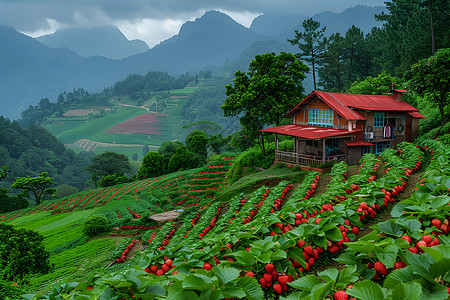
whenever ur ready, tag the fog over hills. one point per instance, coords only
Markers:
(107, 41)
(31, 70)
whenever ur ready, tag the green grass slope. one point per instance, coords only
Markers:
(276, 222)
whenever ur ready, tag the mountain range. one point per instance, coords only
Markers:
(31, 70)
(107, 41)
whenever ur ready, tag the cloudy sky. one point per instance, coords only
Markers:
(149, 20)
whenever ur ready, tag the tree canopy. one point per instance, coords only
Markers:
(312, 43)
(21, 253)
(264, 94)
(430, 78)
(152, 165)
(109, 163)
(35, 187)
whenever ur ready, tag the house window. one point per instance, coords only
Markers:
(381, 146)
(312, 143)
(366, 149)
(331, 147)
(322, 117)
(378, 119)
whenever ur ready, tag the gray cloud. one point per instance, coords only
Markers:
(28, 15)
(134, 16)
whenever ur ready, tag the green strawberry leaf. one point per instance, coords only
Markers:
(396, 277)
(410, 291)
(329, 275)
(306, 283)
(225, 275)
(367, 290)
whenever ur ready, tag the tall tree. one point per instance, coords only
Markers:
(412, 30)
(152, 165)
(264, 94)
(312, 43)
(35, 187)
(430, 78)
(331, 73)
(353, 47)
(109, 163)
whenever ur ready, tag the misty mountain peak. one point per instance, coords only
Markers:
(107, 41)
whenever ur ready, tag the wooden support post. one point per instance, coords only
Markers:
(276, 148)
(323, 151)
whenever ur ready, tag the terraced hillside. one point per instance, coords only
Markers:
(283, 241)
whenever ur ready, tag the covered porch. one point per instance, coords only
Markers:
(313, 146)
(305, 160)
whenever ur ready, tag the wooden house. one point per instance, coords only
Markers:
(330, 127)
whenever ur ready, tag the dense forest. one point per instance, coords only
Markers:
(32, 150)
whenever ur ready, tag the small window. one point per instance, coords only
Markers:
(332, 147)
(378, 119)
(366, 149)
(381, 146)
(312, 143)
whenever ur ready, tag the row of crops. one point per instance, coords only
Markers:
(278, 242)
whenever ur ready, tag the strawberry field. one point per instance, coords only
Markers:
(354, 239)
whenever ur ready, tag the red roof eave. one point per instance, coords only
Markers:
(309, 132)
(417, 115)
(358, 143)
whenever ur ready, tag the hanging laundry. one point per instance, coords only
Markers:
(387, 131)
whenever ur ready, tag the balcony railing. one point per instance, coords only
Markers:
(305, 160)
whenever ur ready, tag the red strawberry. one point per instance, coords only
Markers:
(420, 244)
(315, 253)
(168, 262)
(333, 249)
(355, 230)
(277, 288)
(444, 228)
(427, 239)
(300, 243)
(159, 272)
(436, 241)
(165, 268)
(413, 250)
(407, 238)
(308, 250)
(262, 282)
(269, 268)
(370, 265)
(153, 269)
(267, 277)
(436, 223)
(283, 280)
(250, 274)
(340, 295)
(274, 274)
(207, 266)
(380, 267)
(147, 270)
(399, 265)
(311, 261)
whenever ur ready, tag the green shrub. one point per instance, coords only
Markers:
(21, 253)
(9, 291)
(95, 225)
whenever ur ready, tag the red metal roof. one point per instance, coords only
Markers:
(358, 143)
(343, 104)
(417, 115)
(309, 132)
